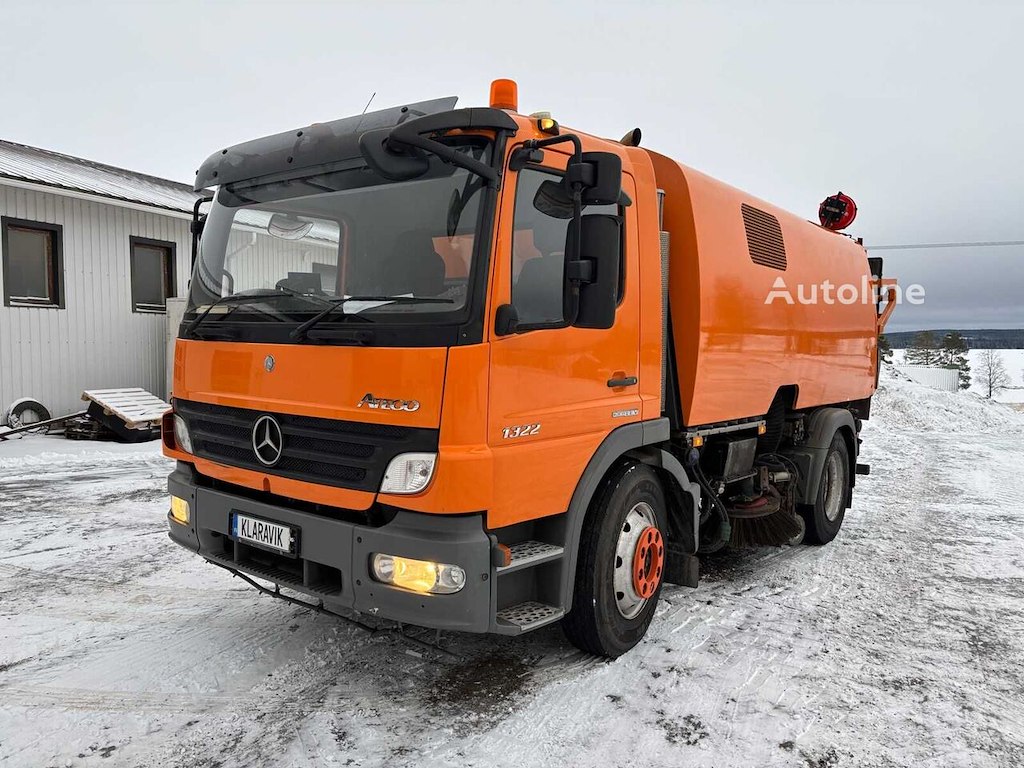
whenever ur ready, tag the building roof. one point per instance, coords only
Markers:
(53, 169)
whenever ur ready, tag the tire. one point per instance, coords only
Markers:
(608, 616)
(27, 411)
(825, 517)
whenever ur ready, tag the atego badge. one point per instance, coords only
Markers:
(388, 405)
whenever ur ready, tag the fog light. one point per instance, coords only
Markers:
(408, 473)
(181, 435)
(418, 575)
(179, 510)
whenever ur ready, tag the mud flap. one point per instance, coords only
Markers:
(681, 568)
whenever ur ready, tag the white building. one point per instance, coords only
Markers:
(89, 254)
(946, 379)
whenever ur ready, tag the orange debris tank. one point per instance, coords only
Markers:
(761, 299)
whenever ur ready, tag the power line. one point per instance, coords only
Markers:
(912, 246)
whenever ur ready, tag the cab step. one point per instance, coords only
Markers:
(529, 615)
(526, 554)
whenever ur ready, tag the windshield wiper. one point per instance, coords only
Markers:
(246, 298)
(301, 331)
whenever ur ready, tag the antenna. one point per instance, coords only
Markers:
(363, 113)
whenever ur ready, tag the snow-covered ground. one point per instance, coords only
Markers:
(900, 644)
(1013, 361)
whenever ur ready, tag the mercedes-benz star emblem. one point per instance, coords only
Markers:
(267, 441)
(268, 363)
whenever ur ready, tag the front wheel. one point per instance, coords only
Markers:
(621, 563)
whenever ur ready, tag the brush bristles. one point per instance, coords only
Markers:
(769, 531)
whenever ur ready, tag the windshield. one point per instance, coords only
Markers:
(385, 251)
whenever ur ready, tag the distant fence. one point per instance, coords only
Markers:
(946, 379)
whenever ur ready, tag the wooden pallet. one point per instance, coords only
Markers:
(135, 407)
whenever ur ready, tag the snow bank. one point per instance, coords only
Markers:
(1013, 360)
(904, 404)
(45, 451)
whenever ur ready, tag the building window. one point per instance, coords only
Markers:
(32, 263)
(152, 274)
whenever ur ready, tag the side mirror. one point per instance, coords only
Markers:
(198, 222)
(389, 163)
(506, 320)
(600, 174)
(596, 269)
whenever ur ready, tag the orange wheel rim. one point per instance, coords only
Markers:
(648, 562)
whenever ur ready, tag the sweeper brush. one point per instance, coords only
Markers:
(764, 521)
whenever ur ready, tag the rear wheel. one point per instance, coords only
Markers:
(621, 563)
(825, 517)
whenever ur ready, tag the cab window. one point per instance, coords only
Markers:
(538, 252)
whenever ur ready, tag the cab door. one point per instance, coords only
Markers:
(555, 392)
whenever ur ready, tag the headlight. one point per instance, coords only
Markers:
(408, 473)
(418, 575)
(181, 435)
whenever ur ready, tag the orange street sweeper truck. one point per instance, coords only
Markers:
(471, 370)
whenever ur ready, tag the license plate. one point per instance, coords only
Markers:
(263, 533)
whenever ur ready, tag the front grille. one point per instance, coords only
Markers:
(346, 454)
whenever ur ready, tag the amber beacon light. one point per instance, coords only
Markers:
(505, 94)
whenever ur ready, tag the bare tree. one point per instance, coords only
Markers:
(991, 375)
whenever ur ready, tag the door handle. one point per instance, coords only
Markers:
(626, 381)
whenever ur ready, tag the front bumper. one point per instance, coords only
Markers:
(333, 558)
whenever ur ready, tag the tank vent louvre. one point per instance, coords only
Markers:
(764, 238)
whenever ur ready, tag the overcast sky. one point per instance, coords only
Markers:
(914, 109)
